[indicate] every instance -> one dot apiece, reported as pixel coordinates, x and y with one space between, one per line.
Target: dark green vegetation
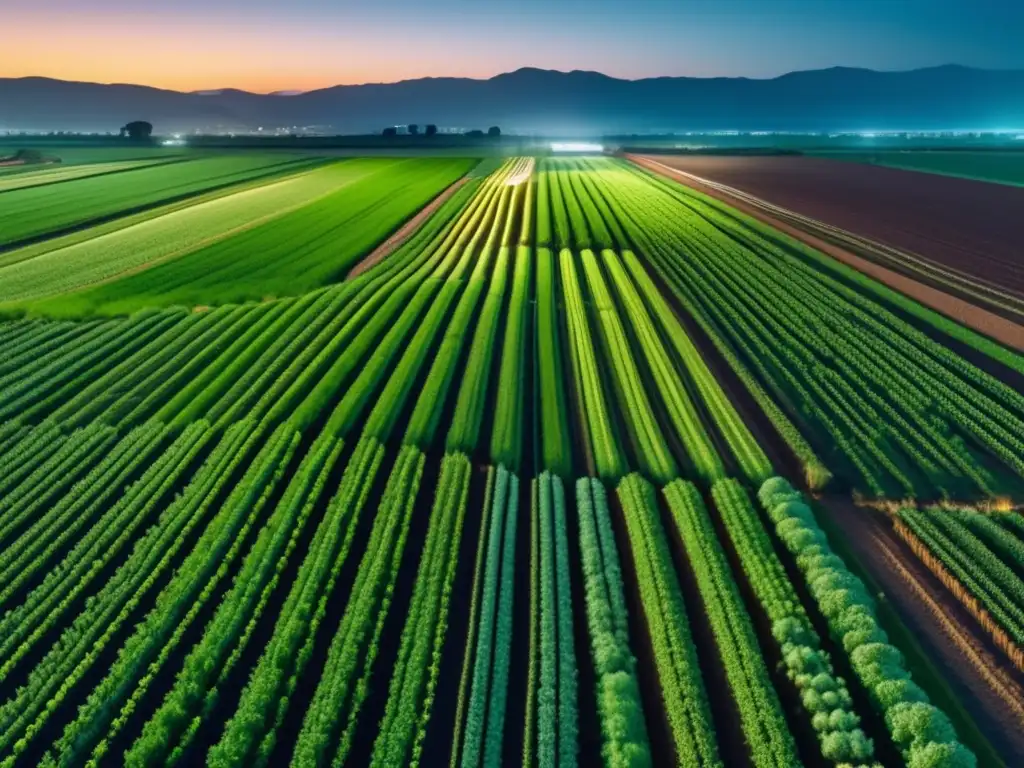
513 494
991 165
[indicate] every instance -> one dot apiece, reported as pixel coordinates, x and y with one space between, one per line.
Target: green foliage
981 571
328 726
509 412
761 716
623 730
675 657
415 676
556 443
556 707
824 696
902 414
46 209
281 239
591 399
918 728
485 718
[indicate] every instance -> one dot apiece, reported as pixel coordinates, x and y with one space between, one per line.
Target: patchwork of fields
548 484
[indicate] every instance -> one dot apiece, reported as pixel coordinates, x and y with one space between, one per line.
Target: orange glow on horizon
193 58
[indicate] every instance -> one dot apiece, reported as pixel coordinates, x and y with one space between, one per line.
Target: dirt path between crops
406 231
956 644
999 328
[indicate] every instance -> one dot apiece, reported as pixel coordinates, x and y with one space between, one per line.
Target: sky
271 45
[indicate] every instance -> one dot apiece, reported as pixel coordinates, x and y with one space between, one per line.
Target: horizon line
288 93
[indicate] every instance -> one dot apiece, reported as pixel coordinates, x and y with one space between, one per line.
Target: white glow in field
576 146
521 171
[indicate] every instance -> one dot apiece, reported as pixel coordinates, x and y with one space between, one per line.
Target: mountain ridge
531 99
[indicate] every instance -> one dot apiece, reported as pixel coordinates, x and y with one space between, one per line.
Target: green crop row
761 717
624 742
919 729
327 728
556 446
480 723
81 517
982 572
644 430
64 173
551 729
54 677
414 678
824 696
592 406
687 709
315 237
1001 539
780 314
509 411
42 210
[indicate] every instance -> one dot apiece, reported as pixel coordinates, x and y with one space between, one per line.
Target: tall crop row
414 678
556 447
686 703
329 723
918 728
644 429
480 725
551 730
624 741
592 404
763 722
824 696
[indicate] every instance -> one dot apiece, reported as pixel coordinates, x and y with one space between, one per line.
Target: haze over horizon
261 47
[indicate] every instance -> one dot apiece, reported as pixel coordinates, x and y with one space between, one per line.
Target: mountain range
544 101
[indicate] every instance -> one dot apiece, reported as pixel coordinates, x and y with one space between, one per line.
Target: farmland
1001 167
956 234
553 481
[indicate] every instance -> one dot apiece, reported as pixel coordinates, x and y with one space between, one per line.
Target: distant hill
545 101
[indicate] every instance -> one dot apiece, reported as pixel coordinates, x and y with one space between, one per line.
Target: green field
283 236
990 165
535 488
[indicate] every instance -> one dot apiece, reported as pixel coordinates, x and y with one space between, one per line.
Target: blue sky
273 44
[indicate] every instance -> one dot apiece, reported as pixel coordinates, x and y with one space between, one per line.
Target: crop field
958 235
1000 167
550 483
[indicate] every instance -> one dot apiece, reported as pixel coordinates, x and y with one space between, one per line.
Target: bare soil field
976 670
972 226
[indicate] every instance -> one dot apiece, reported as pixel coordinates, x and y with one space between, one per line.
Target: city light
576 146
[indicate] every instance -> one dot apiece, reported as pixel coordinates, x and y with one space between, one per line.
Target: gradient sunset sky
268 45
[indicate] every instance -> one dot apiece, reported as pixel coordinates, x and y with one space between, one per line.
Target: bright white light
173 142
521 171
576 146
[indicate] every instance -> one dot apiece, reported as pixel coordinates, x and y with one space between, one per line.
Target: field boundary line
398 238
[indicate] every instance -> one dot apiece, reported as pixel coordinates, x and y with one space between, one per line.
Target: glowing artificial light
576 146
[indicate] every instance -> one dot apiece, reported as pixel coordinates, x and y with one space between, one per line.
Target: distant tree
28 156
474 134
139 130
431 130
414 130
494 131
390 131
